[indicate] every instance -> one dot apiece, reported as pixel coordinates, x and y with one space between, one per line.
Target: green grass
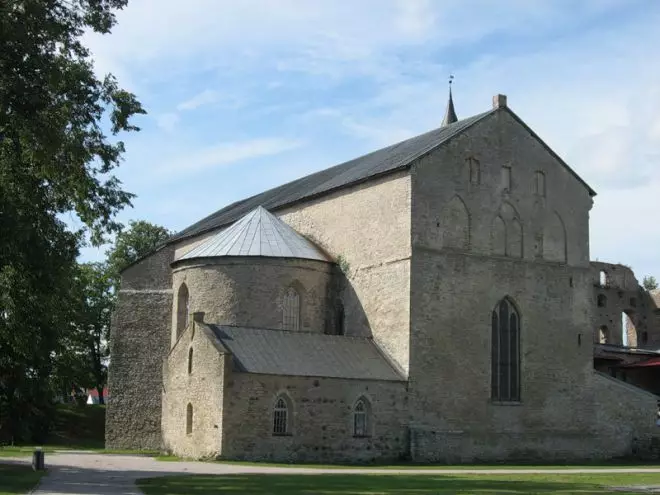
26 450
17 479
357 484
596 465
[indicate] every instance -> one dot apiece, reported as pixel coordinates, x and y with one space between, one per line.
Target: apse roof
258 233
281 352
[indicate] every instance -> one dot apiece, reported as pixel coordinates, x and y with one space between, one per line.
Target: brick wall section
139 341
249 291
367 225
202 388
322 419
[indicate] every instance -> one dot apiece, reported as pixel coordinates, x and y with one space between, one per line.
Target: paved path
80 473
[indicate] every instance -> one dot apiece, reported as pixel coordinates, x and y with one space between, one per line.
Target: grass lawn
359 484
17 479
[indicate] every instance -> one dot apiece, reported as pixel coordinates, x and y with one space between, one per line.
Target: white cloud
228 153
167 121
204 98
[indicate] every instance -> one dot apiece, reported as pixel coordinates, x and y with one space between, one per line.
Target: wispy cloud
204 98
228 153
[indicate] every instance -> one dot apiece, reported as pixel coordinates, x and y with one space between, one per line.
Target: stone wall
249 291
199 385
139 341
322 421
368 226
513 248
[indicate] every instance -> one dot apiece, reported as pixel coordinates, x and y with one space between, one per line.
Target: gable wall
457 279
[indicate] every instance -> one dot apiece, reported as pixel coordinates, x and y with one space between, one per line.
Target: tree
650 283
131 244
55 159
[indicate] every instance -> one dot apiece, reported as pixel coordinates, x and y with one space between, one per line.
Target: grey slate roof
383 161
259 233
280 352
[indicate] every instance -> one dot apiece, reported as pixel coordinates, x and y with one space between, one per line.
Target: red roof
647 363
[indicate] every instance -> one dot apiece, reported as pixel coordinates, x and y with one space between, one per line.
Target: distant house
93 396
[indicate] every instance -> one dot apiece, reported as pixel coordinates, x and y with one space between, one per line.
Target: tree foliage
650 283
55 158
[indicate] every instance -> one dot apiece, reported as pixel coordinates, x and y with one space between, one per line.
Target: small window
645 338
604 279
603 335
291 310
361 419
506 178
189 419
190 360
539 183
602 300
474 169
281 417
182 309
340 319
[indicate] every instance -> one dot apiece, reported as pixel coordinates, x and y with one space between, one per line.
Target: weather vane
451 79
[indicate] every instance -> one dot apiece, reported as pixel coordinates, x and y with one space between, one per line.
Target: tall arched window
603 335
190 360
281 417
505 348
291 310
361 418
182 308
340 319
189 419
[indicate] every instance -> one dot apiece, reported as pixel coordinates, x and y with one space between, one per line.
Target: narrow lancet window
291 310
505 353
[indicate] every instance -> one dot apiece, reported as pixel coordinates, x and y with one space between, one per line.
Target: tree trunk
100 391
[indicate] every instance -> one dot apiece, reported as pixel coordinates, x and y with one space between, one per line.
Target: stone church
433 301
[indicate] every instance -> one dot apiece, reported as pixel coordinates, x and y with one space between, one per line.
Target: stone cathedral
431 301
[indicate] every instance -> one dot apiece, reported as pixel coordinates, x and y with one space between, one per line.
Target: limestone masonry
431 301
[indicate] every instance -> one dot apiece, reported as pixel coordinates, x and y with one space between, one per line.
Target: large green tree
55 158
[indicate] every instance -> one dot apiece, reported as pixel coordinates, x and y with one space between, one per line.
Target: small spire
450 114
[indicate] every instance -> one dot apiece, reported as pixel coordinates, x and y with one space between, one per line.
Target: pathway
82 473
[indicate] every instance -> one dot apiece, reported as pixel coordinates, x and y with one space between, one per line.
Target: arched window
603 336
281 417
539 183
361 418
190 360
604 279
602 300
505 352
291 310
189 419
182 308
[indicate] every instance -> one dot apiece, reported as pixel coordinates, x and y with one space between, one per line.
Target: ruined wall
322 420
616 291
200 385
368 226
139 341
512 247
249 291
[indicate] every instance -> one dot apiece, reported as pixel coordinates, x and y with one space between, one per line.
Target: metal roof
397 156
259 233
280 352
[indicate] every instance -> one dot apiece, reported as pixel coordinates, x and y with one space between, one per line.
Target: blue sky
244 96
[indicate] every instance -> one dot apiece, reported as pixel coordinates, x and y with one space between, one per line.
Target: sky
244 96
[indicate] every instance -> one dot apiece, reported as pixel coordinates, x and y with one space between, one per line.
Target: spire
450 114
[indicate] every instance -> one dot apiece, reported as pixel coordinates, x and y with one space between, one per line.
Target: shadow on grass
17 479
361 485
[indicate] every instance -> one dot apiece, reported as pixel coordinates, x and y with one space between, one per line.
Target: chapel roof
386 160
258 233
282 352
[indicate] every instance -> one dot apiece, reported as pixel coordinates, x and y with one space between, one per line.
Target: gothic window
291 310
455 224
182 308
361 418
498 237
190 360
514 239
189 419
554 239
602 300
506 178
281 417
539 183
505 349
